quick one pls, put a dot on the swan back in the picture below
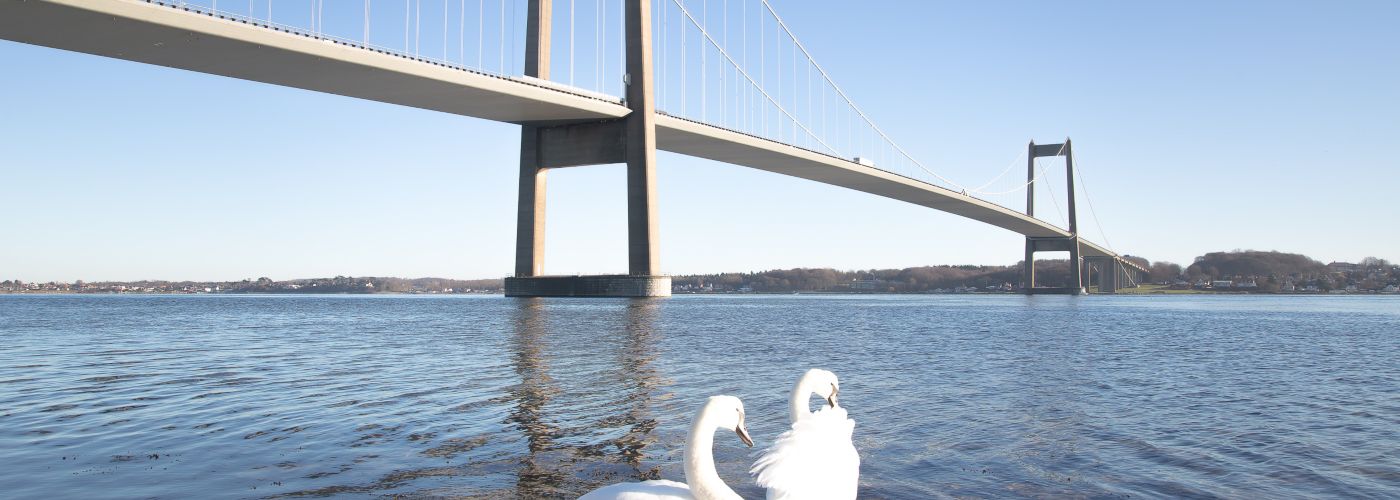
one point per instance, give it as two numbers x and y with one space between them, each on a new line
646 490
815 457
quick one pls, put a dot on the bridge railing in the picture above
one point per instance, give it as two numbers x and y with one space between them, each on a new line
476 35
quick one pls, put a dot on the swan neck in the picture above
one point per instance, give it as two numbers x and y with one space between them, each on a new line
700 473
799 402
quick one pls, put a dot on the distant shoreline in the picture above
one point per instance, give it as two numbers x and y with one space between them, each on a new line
1238 272
1121 293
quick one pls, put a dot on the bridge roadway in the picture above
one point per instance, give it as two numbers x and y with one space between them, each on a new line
163 35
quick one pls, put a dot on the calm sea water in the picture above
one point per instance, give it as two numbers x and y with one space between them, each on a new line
967 396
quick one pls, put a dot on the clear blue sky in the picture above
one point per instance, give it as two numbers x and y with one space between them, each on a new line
1200 126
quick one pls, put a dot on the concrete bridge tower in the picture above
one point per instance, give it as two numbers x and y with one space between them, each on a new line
1053 244
630 140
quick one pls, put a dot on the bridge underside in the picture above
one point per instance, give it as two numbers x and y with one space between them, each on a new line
164 36
157 34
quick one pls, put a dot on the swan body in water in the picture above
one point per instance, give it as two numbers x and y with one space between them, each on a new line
815 458
702 481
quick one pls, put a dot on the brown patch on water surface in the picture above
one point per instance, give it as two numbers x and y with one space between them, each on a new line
498 400
450 448
389 481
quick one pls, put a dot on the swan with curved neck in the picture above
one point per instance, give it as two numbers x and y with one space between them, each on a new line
815 381
815 458
702 481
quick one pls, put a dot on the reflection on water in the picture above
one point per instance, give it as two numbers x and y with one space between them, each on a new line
566 450
225 396
636 374
556 464
531 395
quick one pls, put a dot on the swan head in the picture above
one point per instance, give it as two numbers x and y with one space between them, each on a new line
727 412
820 382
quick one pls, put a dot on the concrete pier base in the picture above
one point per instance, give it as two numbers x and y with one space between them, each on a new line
620 285
1053 290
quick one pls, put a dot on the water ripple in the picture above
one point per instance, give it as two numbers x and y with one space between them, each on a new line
479 397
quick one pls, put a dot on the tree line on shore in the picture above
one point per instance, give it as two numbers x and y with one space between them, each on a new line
907 280
1270 270
1275 271
338 284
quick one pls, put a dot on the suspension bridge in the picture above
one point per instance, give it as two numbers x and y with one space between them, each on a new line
589 82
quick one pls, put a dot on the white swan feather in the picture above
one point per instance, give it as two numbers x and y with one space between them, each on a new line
815 458
656 489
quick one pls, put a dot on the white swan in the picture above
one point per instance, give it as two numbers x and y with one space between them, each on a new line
702 482
815 458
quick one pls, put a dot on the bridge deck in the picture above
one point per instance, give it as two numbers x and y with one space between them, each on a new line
140 31
144 32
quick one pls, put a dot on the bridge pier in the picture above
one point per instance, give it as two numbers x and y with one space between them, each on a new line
631 140
1056 244
1114 273
640 134
1110 277
1075 286
1108 273
530 208
530 203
